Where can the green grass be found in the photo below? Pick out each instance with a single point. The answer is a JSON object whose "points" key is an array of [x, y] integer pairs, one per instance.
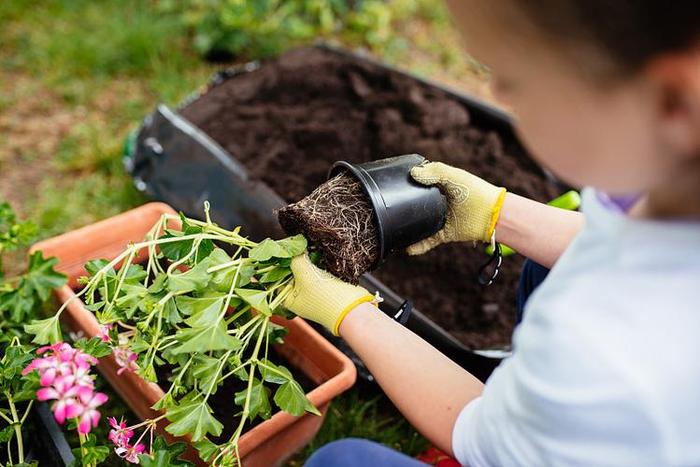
{"points": [[103, 65], [108, 63], [77, 46]]}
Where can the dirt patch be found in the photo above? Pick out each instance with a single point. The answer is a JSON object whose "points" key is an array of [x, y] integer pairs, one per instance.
{"points": [[33, 121], [292, 118]]}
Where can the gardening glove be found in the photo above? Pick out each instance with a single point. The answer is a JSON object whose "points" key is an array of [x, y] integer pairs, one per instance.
{"points": [[321, 297], [473, 205]]}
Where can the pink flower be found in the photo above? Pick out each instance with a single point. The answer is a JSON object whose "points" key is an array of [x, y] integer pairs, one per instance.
{"points": [[126, 359], [64, 374], [54, 347], [89, 416], [119, 434], [104, 332], [66, 405], [131, 453]]}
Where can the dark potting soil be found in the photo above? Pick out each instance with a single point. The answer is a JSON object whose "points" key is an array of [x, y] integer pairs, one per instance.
{"points": [[222, 401], [292, 118]]}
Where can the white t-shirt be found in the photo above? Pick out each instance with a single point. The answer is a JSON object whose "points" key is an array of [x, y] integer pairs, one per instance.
{"points": [[606, 363]]}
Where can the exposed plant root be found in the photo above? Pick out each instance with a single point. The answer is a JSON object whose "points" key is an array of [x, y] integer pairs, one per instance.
{"points": [[338, 219]]}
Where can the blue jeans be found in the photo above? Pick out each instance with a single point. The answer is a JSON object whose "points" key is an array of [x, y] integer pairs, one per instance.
{"points": [[352, 452], [530, 278]]}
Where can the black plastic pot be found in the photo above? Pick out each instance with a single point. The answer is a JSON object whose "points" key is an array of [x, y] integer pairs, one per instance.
{"points": [[405, 211], [44, 440], [174, 161]]}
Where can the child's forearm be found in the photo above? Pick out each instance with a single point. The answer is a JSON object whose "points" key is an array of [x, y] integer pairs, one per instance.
{"points": [[535, 230], [428, 388]]}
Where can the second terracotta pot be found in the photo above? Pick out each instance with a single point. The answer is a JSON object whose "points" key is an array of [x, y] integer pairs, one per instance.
{"points": [[270, 442]]}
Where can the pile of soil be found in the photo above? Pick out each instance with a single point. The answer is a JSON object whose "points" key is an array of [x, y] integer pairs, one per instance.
{"points": [[289, 120]]}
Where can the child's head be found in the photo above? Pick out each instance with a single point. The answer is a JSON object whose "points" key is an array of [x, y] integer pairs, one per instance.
{"points": [[606, 92]]}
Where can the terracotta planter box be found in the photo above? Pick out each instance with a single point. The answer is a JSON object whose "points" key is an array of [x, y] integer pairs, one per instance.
{"points": [[268, 443]]}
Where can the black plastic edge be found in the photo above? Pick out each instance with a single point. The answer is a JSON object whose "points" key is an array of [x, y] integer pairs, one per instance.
{"points": [[375, 198]]}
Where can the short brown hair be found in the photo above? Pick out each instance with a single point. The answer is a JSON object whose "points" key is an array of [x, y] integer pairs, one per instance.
{"points": [[630, 33]]}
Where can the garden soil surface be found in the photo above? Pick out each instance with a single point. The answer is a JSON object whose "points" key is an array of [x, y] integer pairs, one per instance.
{"points": [[289, 120]]}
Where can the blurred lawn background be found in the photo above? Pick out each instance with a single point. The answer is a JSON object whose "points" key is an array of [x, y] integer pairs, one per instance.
{"points": [[77, 75]]}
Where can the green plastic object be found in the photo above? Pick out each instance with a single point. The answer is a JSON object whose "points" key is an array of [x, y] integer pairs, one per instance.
{"points": [[571, 201], [130, 143]]}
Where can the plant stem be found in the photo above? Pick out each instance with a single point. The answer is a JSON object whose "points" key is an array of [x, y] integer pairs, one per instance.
{"points": [[18, 426], [246, 407], [149, 421], [83, 450], [6, 418], [26, 412], [212, 385]]}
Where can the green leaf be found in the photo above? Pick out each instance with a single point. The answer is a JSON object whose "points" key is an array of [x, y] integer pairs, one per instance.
{"points": [[19, 302], [267, 249], [91, 454], [256, 299], [164, 454], [276, 374], [202, 311], [206, 449], [285, 248], [205, 339], [41, 276], [158, 284], [135, 274], [290, 397], [259, 403], [194, 279], [221, 280], [294, 246], [170, 312], [206, 371], [175, 251], [12, 232], [195, 419], [45, 331], [95, 347], [275, 275], [96, 265], [130, 297], [7, 433]]}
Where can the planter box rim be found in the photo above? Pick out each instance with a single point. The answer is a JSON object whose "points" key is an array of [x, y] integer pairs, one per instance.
{"points": [[73, 249]]}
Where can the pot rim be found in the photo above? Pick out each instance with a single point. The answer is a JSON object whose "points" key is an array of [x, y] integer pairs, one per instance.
{"points": [[81, 319]]}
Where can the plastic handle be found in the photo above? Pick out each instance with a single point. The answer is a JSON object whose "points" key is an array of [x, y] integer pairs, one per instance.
{"points": [[571, 201]]}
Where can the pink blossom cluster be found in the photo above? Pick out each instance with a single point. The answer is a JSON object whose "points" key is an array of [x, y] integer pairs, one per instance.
{"points": [[64, 374], [121, 435], [125, 357]]}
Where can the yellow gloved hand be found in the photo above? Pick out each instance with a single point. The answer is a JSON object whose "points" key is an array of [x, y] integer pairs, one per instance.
{"points": [[473, 205], [321, 297]]}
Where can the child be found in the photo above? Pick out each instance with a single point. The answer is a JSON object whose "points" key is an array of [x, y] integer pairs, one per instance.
{"points": [[605, 369]]}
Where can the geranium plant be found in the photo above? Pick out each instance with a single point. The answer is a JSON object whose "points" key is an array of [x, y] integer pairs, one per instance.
{"points": [[66, 379], [192, 317], [59, 373]]}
